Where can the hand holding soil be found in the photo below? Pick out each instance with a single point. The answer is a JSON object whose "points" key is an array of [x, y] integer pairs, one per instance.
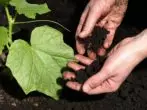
{"points": [[103, 13], [120, 62]]}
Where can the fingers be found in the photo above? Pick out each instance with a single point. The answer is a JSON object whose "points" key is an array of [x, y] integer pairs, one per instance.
{"points": [[111, 27], [82, 20], [91, 54], [113, 21], [80, 47], [109, 38], [74, 85], [92, 17], [75, 66], [101, 51], [84, 60], [68, 75], [93, 82], [105, 87]]}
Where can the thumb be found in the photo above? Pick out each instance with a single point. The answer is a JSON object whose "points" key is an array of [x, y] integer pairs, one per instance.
{"points": [[94, 81], [90, 22]]}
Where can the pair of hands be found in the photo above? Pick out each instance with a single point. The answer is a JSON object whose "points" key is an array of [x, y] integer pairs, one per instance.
{"points": [[122, 58], [120, 62]]}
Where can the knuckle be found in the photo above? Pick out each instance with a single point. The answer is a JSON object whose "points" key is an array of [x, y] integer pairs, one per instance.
{"points": [[93, 84]]}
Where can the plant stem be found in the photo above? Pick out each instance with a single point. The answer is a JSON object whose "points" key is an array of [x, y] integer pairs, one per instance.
{"points": [[8, 47], [34, 21], [10, 22]]}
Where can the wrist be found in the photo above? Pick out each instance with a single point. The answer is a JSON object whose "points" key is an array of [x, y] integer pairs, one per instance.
{"points": [[142, 43]]}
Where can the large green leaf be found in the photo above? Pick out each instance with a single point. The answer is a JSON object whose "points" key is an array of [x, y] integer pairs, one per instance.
{"points": [[3, 38], [36, 67], [29, 10], [4, 2]]}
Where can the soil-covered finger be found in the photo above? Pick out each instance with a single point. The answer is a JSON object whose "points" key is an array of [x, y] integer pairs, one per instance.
{"points": [[80, 47], [68, 75], [101, 51], [91, 54], [75, 66], [83, 59], [74, 85]]}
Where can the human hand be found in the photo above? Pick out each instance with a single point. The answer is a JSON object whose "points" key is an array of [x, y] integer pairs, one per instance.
{"points": [[120, 62], [103, 13]]}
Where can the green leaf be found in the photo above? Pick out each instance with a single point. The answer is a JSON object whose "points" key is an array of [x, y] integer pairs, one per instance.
{"points": [[3, 38], [37, 67], [4, 2], [29, 10]]}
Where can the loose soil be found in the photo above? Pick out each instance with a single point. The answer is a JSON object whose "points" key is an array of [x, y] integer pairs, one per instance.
{"points": [[92, 43], [130, 96], [95, 41]]}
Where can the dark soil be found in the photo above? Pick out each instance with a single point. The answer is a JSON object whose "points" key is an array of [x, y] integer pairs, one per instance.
{"points": [[130, 96], [92, 43], [83, 74]]}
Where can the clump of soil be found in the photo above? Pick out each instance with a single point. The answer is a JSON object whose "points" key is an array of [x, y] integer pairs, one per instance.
{"points": [[83, 74], [92, 43]]}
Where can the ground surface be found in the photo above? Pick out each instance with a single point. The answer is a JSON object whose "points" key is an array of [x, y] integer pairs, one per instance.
{"points": [[131, 95]]}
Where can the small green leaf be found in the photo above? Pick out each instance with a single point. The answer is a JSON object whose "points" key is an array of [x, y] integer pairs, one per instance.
{"points": [[37, 67], [3, 38], [4, 2], [29, 10]]}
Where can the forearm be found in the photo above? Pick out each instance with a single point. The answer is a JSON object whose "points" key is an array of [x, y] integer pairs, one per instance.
{"points": [[141, 40]]}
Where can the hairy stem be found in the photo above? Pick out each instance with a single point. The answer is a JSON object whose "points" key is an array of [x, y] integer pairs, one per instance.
{"points": [[10, 22], [34, 21]]}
